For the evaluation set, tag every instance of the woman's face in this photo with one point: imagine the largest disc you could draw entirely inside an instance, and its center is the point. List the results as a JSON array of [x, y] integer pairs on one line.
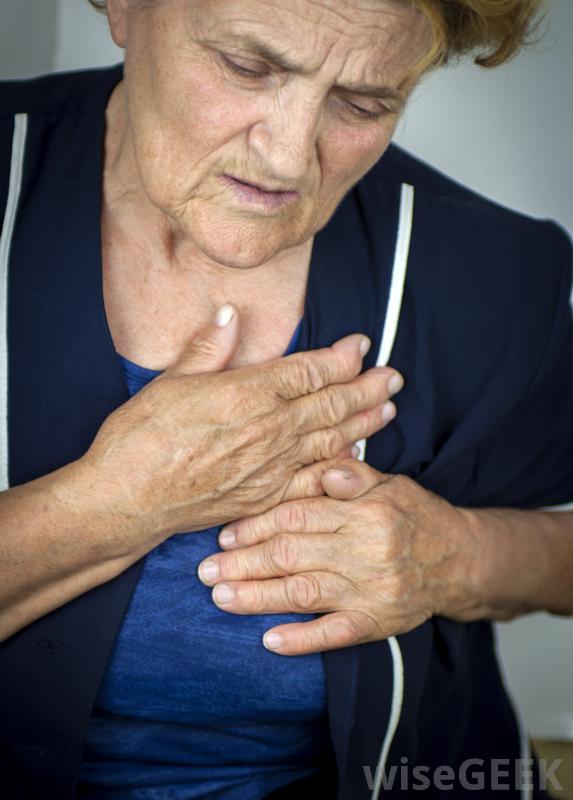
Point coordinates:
[[210, 101]]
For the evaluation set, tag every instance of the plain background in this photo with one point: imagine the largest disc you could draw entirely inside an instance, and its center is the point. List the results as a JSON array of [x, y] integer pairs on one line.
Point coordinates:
[[507, 133]]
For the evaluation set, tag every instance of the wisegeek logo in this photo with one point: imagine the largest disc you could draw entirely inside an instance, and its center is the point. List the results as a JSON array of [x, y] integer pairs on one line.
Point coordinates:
[[477, 774]]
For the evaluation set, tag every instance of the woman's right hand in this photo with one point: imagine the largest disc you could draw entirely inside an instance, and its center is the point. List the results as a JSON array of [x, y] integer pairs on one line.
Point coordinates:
[[202, 445]]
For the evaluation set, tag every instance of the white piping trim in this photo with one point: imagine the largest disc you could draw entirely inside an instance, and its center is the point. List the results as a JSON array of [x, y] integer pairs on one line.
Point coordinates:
[[524, 754], [564, 507], [398, 274], [396, 710], [14, 189], [401, 255]]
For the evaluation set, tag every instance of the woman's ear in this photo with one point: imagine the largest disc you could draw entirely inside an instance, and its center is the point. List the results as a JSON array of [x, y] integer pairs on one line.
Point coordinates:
[[117, 20]]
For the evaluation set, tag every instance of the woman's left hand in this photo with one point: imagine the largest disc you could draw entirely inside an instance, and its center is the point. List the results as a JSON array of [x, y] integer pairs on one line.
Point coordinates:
[[376, 557]]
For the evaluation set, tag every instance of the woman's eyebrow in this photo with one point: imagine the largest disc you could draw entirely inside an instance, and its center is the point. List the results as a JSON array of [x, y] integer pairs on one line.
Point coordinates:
[[268, 53]]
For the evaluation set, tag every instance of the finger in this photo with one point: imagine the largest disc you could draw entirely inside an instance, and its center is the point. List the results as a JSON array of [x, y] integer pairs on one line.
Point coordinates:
[[212, 348], [337, 403], [310, 515], [306, 592], [307, 482], [322, 444], [282, 554], [329, 632], [301, 374], [351, 479]]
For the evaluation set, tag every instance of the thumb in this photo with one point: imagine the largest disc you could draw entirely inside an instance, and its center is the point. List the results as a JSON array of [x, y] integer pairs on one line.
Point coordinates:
[[212, 348], [351, 479]]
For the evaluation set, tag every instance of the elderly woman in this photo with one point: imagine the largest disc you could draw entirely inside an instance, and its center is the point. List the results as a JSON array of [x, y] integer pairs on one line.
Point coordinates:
[[172, 228]]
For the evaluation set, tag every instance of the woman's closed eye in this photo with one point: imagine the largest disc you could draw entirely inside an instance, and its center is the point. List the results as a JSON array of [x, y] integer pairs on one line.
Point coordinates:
[[366, 113], [239, 69], [257, 74]]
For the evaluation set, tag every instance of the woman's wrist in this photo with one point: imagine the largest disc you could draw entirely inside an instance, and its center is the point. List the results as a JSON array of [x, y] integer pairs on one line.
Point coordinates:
[[522, 562]]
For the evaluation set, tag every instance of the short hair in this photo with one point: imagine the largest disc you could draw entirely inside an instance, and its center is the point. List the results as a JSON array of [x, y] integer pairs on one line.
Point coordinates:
[[493, 31]]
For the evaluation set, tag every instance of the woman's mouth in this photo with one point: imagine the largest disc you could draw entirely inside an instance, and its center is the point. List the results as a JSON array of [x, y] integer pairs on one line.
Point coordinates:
[[255, 196]]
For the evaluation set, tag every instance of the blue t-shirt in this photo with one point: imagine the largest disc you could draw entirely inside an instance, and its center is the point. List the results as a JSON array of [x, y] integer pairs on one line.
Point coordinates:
[[192, 704]]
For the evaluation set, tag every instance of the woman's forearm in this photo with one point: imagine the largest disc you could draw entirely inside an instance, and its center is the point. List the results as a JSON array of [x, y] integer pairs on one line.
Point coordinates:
[[525, 562], [57, 541]]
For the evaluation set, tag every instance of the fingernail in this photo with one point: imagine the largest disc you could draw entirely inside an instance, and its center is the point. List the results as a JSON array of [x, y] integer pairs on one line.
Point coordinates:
[[272, 641], [395, 384], [227, 537], [365, 345], [224, 315], [388, 411], [342, 471], [355, 451], [208, 570], [223, 593]]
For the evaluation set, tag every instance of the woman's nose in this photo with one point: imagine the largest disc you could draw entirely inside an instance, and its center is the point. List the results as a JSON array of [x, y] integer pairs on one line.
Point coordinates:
[[284, 139]]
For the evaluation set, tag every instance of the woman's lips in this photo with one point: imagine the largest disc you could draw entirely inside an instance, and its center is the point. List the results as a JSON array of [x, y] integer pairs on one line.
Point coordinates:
[[254, 196]]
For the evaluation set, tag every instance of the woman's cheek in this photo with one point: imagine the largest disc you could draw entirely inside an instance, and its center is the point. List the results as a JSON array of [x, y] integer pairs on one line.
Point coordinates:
[[177, 150], [363, 146], [348, 155]]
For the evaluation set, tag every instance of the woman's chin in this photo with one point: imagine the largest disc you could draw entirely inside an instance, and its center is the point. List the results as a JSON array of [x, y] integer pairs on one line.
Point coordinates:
[[242, 244]]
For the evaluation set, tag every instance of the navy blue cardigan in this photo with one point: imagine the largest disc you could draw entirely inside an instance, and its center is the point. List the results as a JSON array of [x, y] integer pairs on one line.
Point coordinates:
[[470, 301]]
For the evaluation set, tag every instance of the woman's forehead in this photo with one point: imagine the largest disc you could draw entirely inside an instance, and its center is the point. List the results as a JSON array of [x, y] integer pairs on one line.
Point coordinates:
[[326, 18], [310, 30]]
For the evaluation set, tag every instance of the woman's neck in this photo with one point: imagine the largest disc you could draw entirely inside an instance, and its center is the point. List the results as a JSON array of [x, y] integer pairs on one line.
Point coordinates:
[[159, 289]]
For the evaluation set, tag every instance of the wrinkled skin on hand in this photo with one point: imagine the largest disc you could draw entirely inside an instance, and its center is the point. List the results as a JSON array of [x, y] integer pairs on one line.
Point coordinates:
[[373, 566], [191, 451]]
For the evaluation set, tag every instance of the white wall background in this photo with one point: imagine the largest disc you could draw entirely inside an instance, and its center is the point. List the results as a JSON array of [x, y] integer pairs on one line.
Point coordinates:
[[507, 133], [27, 36]]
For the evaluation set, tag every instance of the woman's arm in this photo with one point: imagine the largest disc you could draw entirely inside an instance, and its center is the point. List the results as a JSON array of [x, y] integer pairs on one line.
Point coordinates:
[[380, 554], [198, 446], [525, 561], [56, 542]]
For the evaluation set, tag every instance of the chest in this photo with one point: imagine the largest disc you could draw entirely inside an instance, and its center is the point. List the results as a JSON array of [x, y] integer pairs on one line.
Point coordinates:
[[152, 315]]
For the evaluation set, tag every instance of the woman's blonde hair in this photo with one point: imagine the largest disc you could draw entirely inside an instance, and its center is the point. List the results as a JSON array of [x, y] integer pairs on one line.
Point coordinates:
[[493, 31]]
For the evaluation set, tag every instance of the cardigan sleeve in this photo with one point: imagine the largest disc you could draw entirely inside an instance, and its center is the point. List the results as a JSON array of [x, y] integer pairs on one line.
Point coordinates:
[[528, 461]]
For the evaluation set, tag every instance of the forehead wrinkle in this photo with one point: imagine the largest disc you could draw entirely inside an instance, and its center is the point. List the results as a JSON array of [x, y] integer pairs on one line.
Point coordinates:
[[387, 35], [397, 18]]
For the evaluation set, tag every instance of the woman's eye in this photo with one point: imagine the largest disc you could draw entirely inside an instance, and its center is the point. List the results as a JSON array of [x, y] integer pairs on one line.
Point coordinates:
[[365, 112], [244, 71]]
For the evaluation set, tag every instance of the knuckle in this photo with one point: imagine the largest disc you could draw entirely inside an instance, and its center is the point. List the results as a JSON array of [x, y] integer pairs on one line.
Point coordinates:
[[254, 432], [204, 347], [322, 638], [245, 532], [399, 483], [347, 629], [333, 406], [292, 517], [269, 382], [313, 373], [373, 510], [255, 598], [376, 383], [258, 529], [332, 442], [283, 423], [304, 592], [283, 553]]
